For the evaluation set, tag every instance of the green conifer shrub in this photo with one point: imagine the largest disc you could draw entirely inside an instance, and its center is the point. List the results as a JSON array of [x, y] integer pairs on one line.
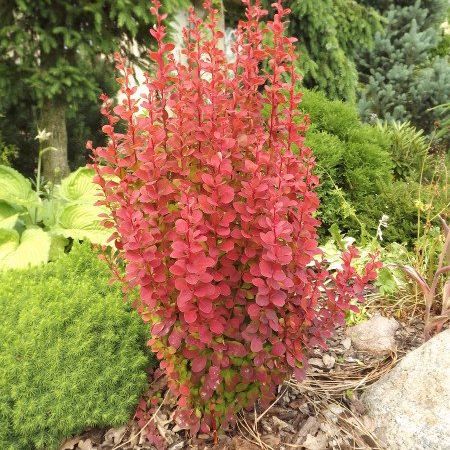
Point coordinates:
[[353, 163], [370, 170], [330, 33], [72, 353], [404, 74]]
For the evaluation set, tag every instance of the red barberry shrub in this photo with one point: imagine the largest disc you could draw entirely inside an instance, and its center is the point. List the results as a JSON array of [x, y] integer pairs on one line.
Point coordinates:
[[211, 193]]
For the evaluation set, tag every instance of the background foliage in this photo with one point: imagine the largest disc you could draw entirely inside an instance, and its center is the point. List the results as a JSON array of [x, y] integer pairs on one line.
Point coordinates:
[[330, 33], [370, 170], [404, 74], [57, 57]]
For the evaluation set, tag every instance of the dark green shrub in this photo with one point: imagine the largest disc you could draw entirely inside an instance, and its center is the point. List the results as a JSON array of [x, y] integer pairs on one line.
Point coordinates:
[[334, 116], [398, 200], [353, 163], [404, 74], [367, 171], [72, 353]]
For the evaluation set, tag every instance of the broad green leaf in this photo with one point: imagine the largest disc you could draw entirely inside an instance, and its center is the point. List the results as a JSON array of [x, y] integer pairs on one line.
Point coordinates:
[[15, 189], [33, 249], [9, 222], [8, 215], [81, 221], [57, 247], [79, 186], [9, 241], [386, 281], [6, 210]]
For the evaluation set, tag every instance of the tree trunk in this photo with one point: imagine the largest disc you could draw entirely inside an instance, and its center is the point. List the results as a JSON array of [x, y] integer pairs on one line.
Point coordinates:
[[55, 165]]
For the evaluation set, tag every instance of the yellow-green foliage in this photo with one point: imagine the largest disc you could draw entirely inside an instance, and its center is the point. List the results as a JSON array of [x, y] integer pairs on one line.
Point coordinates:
[[72, 353]]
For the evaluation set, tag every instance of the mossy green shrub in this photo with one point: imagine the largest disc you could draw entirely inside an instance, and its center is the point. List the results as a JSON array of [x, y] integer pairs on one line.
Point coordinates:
[[72, 353], [367, 171], [353, 162]]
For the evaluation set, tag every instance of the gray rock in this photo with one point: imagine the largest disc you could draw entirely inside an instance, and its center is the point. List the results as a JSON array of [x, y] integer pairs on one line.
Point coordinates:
[[376, 335], [328, 360], [410, 405]]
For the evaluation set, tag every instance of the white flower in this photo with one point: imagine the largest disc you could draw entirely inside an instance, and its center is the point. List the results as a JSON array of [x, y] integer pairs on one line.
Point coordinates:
[[43, 135], [383, 223], [373, 118]]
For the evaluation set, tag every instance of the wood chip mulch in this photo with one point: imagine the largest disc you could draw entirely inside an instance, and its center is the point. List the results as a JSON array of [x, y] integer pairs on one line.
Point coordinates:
[[323, 412]]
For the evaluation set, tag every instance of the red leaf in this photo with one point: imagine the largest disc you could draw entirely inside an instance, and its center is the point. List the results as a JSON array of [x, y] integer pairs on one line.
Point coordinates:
[[157, 328], [205, 305], [208, 179], [236, 349], [198, 363], [190, 316], [216, 327], [184, 390], [181, 226], [256, 345], [278, 349], [300, 374], [253, 310], [226, 194]]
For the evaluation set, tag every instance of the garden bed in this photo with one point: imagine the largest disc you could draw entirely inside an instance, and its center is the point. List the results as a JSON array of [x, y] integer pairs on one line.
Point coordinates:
[[323, 412]]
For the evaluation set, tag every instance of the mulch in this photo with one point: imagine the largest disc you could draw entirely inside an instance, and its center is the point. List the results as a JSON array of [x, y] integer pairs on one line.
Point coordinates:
[[322, 412]]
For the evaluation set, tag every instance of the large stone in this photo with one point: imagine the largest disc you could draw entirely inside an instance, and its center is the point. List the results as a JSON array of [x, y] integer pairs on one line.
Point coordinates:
[[376, 335], [410, 405]]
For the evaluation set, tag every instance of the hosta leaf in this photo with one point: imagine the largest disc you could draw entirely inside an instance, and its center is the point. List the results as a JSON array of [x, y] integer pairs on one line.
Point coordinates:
[[81, 221], [57, 246], [15, 189], [79, 187], [32, 250], [9, 222], [9, 241], [6, 210], [8, 215]]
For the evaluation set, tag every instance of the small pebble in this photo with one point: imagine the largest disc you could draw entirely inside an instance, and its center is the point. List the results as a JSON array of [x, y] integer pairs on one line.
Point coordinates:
[[316, 362], [328, 361], [347, 343]]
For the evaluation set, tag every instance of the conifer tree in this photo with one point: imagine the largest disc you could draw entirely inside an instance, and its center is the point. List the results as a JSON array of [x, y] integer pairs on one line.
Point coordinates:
[[52, 48], [330, 32], [403, 74]]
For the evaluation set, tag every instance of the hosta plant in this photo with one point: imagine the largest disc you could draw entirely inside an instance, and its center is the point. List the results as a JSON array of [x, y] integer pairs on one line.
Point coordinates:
[[35, 224], [211, 193]]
